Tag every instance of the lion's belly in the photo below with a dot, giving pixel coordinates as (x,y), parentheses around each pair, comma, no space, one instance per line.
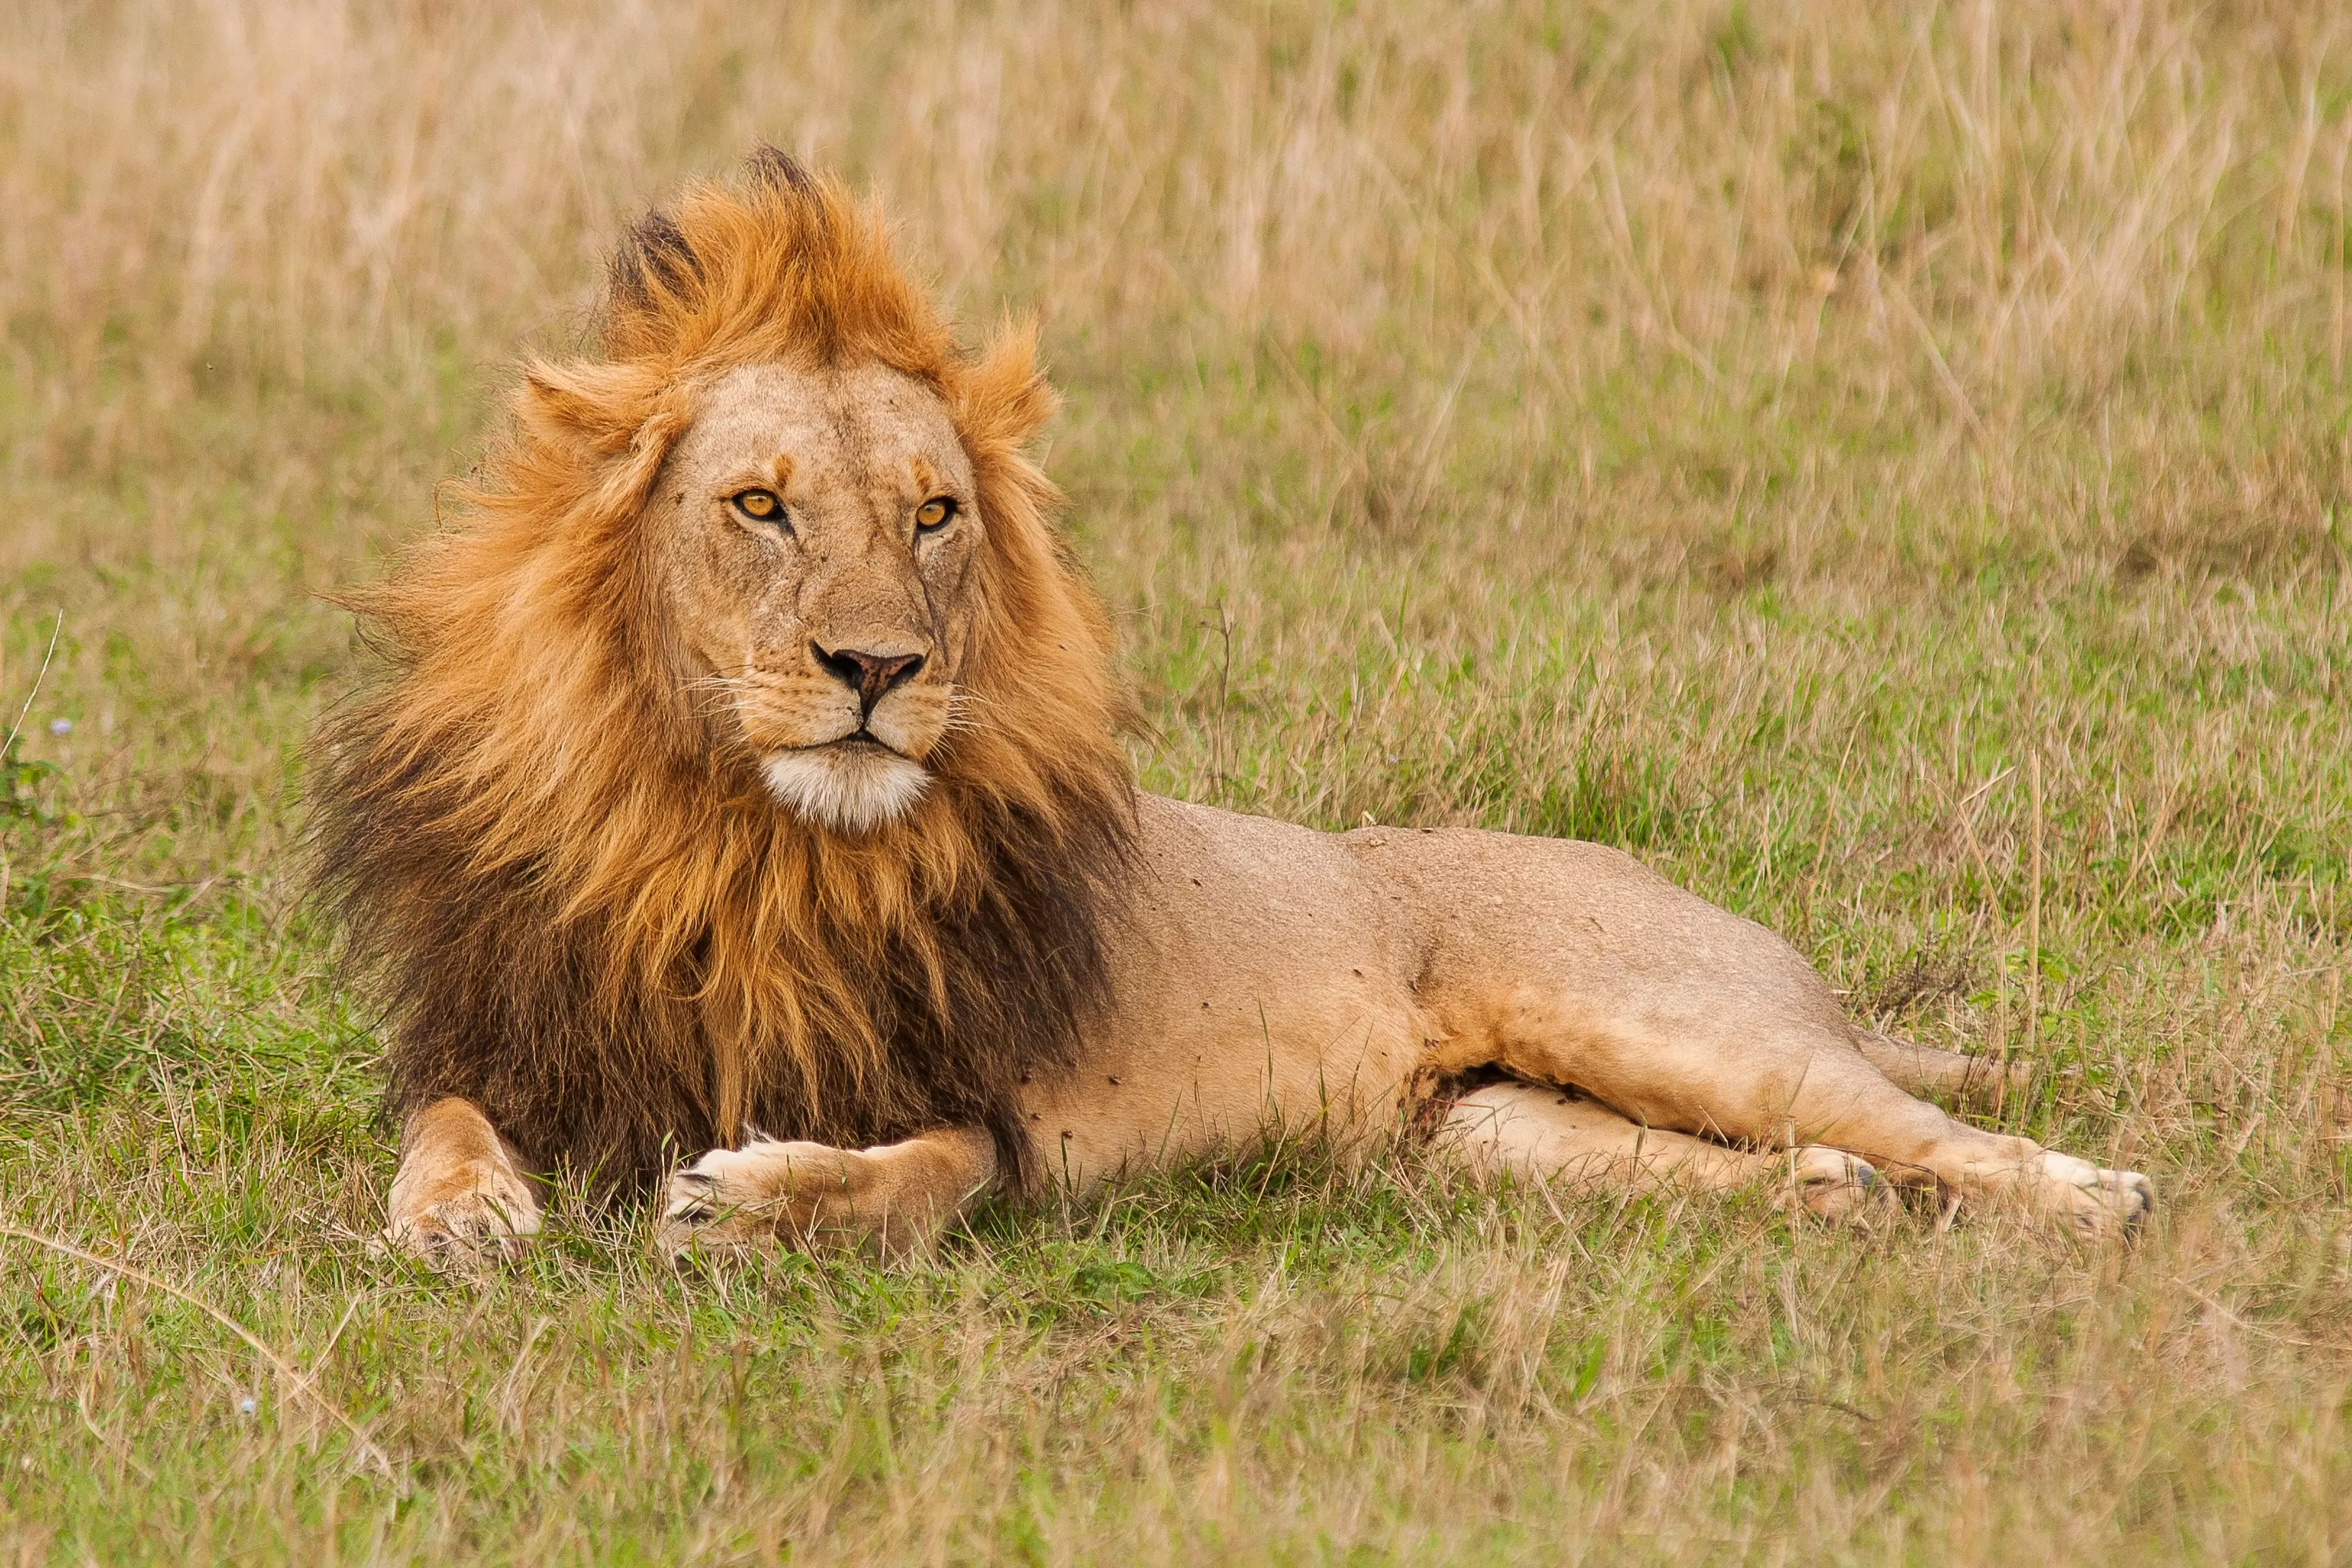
(1264,984)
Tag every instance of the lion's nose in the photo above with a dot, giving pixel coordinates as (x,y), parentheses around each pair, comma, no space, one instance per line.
(870,675)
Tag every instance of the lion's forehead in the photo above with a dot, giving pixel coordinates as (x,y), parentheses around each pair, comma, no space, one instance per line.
(866,425)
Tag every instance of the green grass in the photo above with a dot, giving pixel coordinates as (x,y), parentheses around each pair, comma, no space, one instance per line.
(1764,441)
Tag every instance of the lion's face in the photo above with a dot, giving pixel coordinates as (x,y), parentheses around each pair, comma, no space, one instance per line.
(816,534)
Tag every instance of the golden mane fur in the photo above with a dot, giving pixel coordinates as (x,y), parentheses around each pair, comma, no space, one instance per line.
(575,902)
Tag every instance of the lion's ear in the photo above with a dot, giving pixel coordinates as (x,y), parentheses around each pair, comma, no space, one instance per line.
(581,404)
(1004,400)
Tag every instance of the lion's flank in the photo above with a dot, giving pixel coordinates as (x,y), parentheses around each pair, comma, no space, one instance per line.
(579,914)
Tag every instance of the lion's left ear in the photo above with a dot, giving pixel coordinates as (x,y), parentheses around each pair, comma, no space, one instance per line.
(1003,401)
(597,408)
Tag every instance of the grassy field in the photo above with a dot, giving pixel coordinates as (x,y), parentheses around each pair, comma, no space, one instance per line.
(1893,475)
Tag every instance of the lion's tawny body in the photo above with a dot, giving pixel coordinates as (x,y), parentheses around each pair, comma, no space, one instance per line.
(1275,980)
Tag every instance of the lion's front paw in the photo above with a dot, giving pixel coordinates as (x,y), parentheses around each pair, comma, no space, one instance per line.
(486,1221)
(2094,1201)
(1833,1184)
(809,1195)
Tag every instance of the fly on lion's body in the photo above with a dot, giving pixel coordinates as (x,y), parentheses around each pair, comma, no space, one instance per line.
(745,791)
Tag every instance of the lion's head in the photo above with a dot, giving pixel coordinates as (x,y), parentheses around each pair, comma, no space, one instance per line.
(816,532)
(748,750)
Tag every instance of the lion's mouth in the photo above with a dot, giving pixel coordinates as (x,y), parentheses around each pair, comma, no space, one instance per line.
(860,741)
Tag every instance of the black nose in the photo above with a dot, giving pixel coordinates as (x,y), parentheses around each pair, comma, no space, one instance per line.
(870,675)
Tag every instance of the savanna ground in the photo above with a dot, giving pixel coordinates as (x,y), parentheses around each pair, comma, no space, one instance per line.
(1888,472)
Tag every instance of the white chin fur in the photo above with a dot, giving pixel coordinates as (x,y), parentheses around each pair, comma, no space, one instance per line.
(848,789)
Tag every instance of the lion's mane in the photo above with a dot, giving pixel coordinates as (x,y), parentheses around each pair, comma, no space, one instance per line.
(577,910)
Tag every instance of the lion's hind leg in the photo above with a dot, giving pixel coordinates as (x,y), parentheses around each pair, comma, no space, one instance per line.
(1574,964)
(1554,1136)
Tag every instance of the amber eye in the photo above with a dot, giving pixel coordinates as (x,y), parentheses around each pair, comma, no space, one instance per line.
(760,506)
(933,514)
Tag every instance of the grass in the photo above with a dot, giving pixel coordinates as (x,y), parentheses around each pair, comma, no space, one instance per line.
(1855,465)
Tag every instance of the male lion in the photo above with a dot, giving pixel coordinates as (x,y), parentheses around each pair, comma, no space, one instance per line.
(747,780)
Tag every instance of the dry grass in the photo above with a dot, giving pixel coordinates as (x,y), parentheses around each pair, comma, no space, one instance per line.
(1760,437)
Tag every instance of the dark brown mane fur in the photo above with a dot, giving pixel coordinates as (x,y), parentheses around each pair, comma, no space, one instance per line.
(574,908)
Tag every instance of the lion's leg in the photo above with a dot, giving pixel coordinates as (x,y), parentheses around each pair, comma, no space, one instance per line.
(1583,1144)
(1748,1071)
(1573,964)
(894,1198)
(1761,1069)
(460,1189)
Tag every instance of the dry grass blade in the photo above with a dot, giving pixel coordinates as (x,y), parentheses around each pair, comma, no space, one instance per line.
(33,694)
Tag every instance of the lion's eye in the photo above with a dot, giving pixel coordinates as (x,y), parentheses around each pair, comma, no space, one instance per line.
(933,514)
(760,506)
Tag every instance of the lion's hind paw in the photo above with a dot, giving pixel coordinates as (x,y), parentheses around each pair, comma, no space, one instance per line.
(2092,1201)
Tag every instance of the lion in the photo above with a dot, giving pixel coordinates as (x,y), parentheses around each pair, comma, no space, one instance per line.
(742,815)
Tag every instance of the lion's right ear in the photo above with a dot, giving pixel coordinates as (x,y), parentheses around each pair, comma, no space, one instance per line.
(597,408)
